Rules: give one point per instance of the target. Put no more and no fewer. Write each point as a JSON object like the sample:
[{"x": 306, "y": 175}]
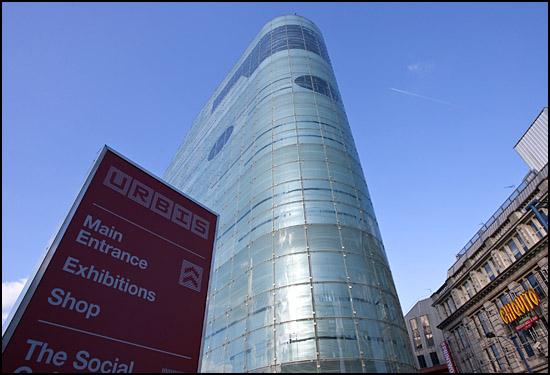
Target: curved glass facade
[{"x": 300, "y": 278}]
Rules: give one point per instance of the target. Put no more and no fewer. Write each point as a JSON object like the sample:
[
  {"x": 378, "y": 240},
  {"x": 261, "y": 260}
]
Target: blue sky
[{"x": 437, "y": 95}]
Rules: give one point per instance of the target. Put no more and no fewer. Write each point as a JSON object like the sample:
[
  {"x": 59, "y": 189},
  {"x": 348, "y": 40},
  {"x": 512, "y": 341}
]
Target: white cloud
[
  {"x": 420, "y": 67},
  {"x": 10, "y": 292}
]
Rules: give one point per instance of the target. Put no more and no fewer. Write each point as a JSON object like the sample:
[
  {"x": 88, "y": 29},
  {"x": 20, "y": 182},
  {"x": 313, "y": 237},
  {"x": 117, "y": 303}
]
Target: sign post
[{"x": 123, "y": 286}]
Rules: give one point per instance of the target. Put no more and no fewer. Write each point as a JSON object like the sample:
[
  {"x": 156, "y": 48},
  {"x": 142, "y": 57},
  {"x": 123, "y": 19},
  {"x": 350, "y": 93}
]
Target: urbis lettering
[{"x": 144, "y": 195}]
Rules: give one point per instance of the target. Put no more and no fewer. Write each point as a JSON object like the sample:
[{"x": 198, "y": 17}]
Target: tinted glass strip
[{"x": 278, "y": 39}]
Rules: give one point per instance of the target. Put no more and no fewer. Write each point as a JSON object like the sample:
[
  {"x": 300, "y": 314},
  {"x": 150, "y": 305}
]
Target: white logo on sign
[{"x": 191, "y": 276}]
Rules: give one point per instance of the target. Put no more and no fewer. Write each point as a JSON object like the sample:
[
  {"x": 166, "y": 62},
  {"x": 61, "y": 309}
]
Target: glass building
[{"x": 300, "y": 279}]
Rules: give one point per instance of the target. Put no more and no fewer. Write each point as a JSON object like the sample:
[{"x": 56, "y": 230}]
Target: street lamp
[{"x": 513, "y": 338}]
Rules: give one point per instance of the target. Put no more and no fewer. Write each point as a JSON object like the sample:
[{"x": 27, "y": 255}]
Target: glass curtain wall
[{"x": 300, "y": 279}]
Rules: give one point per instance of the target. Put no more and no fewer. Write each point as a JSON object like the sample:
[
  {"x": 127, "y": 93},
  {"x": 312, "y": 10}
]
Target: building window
[
  {"x": 480, "y": 334},
  {"x": 461, "y": 335},
  {"x": 483, "y": 323},
  {"x": 450, "y": 305},
  {"x": 543, "y": 274},
  {"x": 489, "y": 319},
  {"x": 536, "y": 286},
  {"x": 435, "y": 358},
  {"x": 471, "y": 362},
  {"x": 491, "y": 361},
  {"x": 533, "y": 332},
  {"x": 514, "y": 249},
  {"x": 489, "y": 271},
  {"x": 468, "y": 289},
  {"x": 536, "y": 229},
  {"x": 503, "y": 300},
  {"x": 421, "y": 361},
  {"x": 495, "y": 265},
  {"x": 497, "y": 356},
  {"x": 525, "y": 343},
  {"x": 522, "y": 242},
  {"x": 416, "y": 334},
  {"x": 507, "y": 255},
  {"x": 427, "y": 330}
]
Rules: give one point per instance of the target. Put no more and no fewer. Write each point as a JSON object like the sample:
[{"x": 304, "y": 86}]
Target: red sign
[
  {"x": 448, "y": 357},
  {"x": 527, "y": 323},
  {"x": 123, "y": 287}
]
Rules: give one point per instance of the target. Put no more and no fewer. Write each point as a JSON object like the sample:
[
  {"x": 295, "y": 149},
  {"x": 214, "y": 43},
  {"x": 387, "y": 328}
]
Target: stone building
[{"x": 494, "y": 303}]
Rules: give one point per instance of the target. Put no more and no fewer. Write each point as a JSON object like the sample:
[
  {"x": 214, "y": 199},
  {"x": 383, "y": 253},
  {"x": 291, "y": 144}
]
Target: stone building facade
[{"x": 494, "y": 303}]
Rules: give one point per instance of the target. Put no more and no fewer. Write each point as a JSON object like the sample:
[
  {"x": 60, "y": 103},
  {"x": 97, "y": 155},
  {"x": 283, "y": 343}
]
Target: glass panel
[
  {"x": 260, "y": 311},
  {"x": 380, "y": 367},
  {"x": 237, "y": 319},
  {"x": 240, "y": 263},
  {"x": 482, "y": 321},
  {"x": 489, "y": 271},
  {"x": 295, "y": 341},
  {"x": 536, "y": 286},
  {"x": 459, "y": 330},
  {"x": 314, "y": 170},
  {"x": 372, "y": 337},
  {"x": 327, "y": 266},
  {"x": 536, "y": 229},
  {"x": 261, "y": 278},
  {"x": 427, "y": 330},
  {"x": 495, "y": 266},
  {"x": 352, "y": 240},
  {"x": 312, "y": 152},
  {"x": 336, "y": 337},
  {"x": 513, "y": 247},
  {"x": 293, "y": 303},
  {"x": 416, "y": 333},
  {"x": 235, "y": 356},
  {"x": 367, "y": 301},
  {"x": 421, "y": 361},
  {"x": 289, "y": 215},
  {"x": 320, "y": 212},
  {"x": 214, "y": 361},
  {"x": 290, "y": 240},
  {"x": 341, "y": 366},
  {"x": 286, "y": 172},
  {"x": 360, "y": 269},
  {"x": 223, "y": 275},
  {"x": 497, "y": 356},
  {"x": 332, "y": 300},
  {"x": 261, "y": 249},
  {"x": 259, "y": 348},
  {"x": 317, "y": 190},
  {"x": 291, "y": 269},
  {"x": 525, "y": 248},
  {"x": 239, "y": 290},
  {"x": 525, "y": 343},
  {"x": 287, "y": 192},
  {"x": 468, "y": 289},
  {"x": 219, "y": 331},
  {"x": 324, "y": 237},
  {"x": 221, "y": 299}
]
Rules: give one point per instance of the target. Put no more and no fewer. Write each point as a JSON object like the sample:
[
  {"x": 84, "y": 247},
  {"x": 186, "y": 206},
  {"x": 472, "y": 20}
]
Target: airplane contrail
[{"x": 421, "y": 96}]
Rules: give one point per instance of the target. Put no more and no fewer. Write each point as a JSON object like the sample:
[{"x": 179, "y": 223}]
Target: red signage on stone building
[
  {"x": 448, "y": 357},
  {"x": 123, "y": 287}
]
